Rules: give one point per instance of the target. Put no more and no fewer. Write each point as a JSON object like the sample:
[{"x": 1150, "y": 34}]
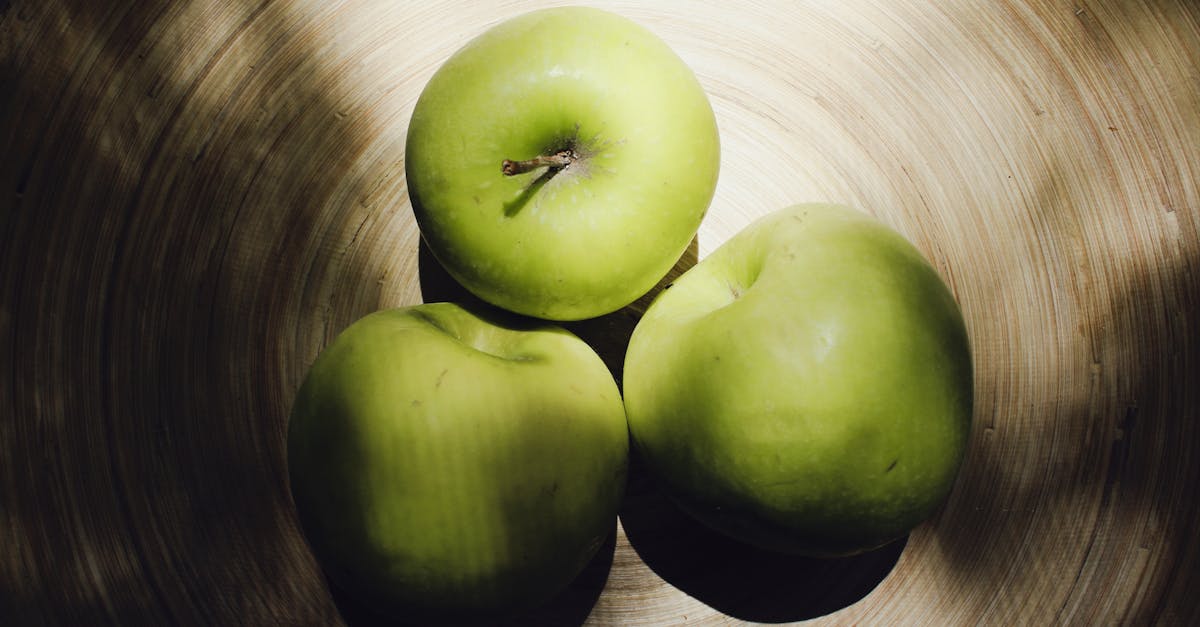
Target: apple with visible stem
[
  {"x": 560, "y": 163},
  {"x": 807, "y": 387},
  {"x": 447, "y": 464}
]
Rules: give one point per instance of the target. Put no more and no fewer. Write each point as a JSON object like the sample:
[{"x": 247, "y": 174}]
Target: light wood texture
[{"x": 196, "y": 196}]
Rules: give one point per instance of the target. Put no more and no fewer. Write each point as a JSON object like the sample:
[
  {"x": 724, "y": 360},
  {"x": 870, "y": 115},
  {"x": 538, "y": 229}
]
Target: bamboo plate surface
[{"x": 196, "y": 196}]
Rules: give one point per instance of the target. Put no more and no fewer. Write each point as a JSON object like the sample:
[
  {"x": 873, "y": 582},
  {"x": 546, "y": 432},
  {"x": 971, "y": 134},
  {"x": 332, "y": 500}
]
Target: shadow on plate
[
  {"x": 739, "y": 580},
  {"x": 569, "y": 607}
]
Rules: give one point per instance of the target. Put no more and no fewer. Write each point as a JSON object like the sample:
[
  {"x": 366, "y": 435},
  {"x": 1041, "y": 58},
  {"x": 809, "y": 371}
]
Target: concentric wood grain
[{"x": 195, "y": 197}]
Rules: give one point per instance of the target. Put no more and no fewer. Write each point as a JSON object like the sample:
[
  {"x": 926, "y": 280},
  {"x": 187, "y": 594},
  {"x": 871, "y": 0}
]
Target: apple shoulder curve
[
  {"x": 450, "y": 466},
  {"x": 560, "y": 163},
  {"x": 807, "y": 387}
]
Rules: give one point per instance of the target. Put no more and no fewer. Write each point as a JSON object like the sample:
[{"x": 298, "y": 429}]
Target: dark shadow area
[
  {"x": 742, "y": 581},
  {"x": 573, "y": 605},
  {"x": 1105, "y": 432},
  {"x": 1127, "y": 445},
  {"x": 166, "y": 246},
  {"x": 437, "y": 286},
  {"x": 608, "y": 335},
  {"x": 569, "y": 607}
]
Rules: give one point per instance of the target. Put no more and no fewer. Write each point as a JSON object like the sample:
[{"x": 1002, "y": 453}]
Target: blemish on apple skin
[
  {"x": 891, "y": 465},
  {"x": 438, "y": 384}
]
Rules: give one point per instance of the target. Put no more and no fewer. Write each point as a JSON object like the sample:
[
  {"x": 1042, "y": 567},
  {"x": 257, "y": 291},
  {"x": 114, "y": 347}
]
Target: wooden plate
[{"x": 195, "y": 197}]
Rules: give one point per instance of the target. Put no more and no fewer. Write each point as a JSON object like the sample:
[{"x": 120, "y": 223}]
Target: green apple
[
  {"x": 447, "y": 465},
  {"x": 807, "y": 387},
  {"x": 560, "y": 163}
]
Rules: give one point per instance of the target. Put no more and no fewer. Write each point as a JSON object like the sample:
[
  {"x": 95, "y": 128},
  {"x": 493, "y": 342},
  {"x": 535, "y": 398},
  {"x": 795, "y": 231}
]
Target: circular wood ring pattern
[{"x": 196, "y": 196}]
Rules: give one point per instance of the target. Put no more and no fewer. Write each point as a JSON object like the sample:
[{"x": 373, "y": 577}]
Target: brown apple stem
[{"x": 557, "y": 161}]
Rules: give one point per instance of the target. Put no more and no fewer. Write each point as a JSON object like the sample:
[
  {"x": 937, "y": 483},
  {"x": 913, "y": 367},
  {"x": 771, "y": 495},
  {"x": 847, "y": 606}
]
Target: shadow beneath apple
[
  {"x": 741, "y": 581},
  {"x": 437, "y": 286},
  {"x": 571, "y": 606},
  {"x": 574, "y": 603},
  {"x": 608, "y": 335}
]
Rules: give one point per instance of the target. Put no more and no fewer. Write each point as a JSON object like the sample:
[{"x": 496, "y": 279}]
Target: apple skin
[
  {"x": 806, "y": 388},
  {"x": 583, "y": 240},
  {"x": 448, "y": 466}
]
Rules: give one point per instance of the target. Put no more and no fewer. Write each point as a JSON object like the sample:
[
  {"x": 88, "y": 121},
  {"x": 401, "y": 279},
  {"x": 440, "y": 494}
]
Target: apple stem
[{"x": 557, "y": 161}]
